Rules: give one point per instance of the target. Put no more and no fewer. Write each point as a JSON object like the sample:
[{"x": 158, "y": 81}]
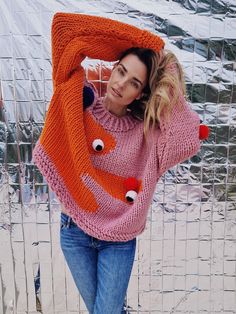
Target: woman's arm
[
  {"x": 75, "y": 36},
  {"x": 180, "y": 137}
]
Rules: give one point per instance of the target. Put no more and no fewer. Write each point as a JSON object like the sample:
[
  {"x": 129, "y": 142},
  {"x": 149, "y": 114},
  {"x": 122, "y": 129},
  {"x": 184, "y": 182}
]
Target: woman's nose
[{"x": 122, "y": 83}]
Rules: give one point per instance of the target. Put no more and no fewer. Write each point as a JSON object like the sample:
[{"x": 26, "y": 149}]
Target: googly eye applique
[
  {"x": 132, "y": 186},
  {"x": 131, "y": 196},
  {"x": 98, "y": 145}
]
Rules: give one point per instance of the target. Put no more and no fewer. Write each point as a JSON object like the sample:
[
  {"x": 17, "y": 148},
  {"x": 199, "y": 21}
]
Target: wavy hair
[{"x": 165, "y": 78}]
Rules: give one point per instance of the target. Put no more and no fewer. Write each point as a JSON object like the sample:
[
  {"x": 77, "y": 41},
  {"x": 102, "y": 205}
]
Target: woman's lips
[{"x": 116, "y": 92}]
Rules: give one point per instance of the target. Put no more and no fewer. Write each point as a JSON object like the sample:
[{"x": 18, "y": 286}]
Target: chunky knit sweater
[{"x": 87, "y": 155}]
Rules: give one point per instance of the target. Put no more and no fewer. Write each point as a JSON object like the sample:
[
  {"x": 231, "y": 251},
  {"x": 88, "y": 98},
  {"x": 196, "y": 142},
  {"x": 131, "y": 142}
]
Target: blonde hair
[{"x": 165, "y": 81}]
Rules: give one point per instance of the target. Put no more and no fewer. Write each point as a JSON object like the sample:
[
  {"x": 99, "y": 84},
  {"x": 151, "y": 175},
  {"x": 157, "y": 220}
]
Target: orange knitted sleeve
[{"x": 71, "y": 32}]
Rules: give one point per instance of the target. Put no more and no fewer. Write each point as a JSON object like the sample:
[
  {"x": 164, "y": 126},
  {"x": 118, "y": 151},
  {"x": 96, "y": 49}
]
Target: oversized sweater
[{"x": 90, "y": 182}]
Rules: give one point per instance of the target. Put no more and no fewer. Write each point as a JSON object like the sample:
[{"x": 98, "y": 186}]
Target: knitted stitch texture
[{"x": 89, "y": 182}]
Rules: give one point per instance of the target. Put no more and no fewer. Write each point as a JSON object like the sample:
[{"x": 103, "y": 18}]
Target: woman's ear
[{"x": 140, "y": 96}]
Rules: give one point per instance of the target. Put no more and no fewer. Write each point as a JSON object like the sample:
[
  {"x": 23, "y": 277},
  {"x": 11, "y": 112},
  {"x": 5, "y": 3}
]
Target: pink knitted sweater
[{"x": 125, "y": 154}]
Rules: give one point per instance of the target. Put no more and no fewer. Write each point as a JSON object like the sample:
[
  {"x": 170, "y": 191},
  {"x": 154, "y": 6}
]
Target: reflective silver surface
[{"x": 186, "y": 258}]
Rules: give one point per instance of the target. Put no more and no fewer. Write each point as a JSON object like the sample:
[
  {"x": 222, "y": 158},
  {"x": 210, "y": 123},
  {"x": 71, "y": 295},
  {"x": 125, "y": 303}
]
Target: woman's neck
[{"x": 113, "y": 108}]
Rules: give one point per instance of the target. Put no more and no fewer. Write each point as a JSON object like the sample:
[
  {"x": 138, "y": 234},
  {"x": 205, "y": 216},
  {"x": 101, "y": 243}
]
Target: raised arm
[
  {"x": 180, "y": 137},
  {"x": 75, "y": 36}
]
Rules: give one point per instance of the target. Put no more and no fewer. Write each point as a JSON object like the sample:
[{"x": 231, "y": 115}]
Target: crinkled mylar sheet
[{"x": 186, "y": 258}]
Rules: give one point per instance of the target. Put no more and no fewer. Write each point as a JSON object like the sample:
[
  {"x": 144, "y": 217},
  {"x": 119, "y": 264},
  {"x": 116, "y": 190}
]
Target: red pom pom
[
  {"x": 203, "y": 132},
  {"x": 131, "y": 184}
]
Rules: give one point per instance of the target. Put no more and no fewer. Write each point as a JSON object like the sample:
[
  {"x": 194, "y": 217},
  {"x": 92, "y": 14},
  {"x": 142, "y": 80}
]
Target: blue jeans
[{"x": 101, "y": 269}]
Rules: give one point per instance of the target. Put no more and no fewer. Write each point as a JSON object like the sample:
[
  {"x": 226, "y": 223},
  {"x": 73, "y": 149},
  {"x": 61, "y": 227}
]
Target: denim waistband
[{"x": 67, "y": 220}]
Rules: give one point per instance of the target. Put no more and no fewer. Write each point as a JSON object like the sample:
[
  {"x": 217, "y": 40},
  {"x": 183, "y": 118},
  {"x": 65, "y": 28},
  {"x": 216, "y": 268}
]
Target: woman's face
[{"x": 127, "y": 80}]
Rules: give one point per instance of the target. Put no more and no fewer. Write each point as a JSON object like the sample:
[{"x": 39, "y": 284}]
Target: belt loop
[{"x": 68, "y": 222}]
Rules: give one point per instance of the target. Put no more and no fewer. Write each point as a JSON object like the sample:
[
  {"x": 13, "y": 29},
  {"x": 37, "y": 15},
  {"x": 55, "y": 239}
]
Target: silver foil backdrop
[{"x": 186, "y": 258}]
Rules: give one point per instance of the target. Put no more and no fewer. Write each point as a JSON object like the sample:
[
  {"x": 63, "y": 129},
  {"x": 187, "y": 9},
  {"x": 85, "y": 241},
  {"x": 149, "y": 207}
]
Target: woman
[{"x": 104, "y": 155}]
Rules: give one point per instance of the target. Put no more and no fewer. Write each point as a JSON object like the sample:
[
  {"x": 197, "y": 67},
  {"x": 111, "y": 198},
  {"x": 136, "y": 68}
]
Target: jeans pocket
[
  {"x": 64, "y": 221},
  {"x": 63, "y": 225}
]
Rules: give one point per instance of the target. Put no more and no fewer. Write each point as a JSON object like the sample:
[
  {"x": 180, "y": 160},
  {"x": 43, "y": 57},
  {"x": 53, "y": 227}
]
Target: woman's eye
[
  {"x": 135, "y": 84},
  {"x": 120, "y": 71}
]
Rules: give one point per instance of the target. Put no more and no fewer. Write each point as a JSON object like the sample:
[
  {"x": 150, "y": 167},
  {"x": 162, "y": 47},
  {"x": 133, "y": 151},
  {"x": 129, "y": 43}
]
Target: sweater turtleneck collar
[{"x": 110, "y": 121}]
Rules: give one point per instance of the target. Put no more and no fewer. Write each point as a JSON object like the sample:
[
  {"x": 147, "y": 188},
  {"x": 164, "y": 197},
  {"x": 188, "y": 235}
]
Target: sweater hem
[{"x": 55, "y": 182}]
